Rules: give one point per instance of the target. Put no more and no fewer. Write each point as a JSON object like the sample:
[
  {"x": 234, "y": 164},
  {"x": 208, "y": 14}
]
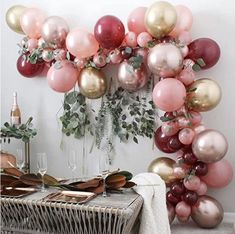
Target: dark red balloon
[
  {"x": 177, "y": 188},
  {"x": 204, "y": 48},
  {"x": 189, "y": 158},
  {"x": 200, "y": 168},
  {"x": 190, "y": 197},
  {"x": 161, "y": 141},
  {"x": 109, "y": 31},
  {"x": 170, "y": 197},
  {"x": 174, "y": 143},
  {"x": 25, "y": 68}
]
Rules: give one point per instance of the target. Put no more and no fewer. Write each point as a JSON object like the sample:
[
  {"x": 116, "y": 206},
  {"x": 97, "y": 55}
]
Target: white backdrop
[{"x": 212, "y": 18}]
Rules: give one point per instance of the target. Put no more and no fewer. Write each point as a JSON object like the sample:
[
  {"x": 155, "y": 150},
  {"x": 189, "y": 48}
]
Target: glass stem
[
  {"x": 43, "y": 185},
  {"x": 104, "y": 187}
]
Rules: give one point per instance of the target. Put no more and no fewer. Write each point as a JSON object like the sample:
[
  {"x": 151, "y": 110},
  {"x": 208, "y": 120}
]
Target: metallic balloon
[
  {"x": 47, "y": 55},
  {"x": 130, "y": 78},
  {"x": 164, "y": 166},
  {"x": 205, "y": 95},
  {"x": 13, "y": 18},
  {"x": 160, "y": 19},
  {"x": 165, "y": 60},
  {"x": 92, "y": 83},
  {"x": 207, "y": 212},
  {"x": 171, "y": 212},
  {"x": 55, "y": 30},
  {"x": 210, "y": 146}
]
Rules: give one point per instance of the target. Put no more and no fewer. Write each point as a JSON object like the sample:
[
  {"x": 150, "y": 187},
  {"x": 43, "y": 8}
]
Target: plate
[
  {"x": 15, "y": 193},
  {"x": 70, "y": 197}
]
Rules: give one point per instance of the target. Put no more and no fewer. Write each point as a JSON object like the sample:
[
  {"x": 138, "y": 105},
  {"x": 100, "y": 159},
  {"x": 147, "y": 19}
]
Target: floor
[{"x": 226, "y": 227}]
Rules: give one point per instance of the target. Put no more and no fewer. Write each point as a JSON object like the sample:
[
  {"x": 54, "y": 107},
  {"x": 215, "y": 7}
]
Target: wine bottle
[{"x": 15, "y": 117}]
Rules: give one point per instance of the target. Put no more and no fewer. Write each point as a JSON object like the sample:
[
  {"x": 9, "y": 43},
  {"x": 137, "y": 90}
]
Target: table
[{"x": 117, "y": 213}]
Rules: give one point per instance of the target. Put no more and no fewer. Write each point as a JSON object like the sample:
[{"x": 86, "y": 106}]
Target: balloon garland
[{"x": 158, "y": 42}]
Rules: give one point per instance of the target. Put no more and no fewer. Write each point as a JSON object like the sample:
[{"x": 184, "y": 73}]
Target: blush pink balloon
[
  {"x": 170, "y": 128},
  {"x": 31, "y": 22},
  {"x": 183, "y": 209},
  {"x": 186, "y": 76},
  {"x": 135, "y": 21},
  {"x": 143, "y": 39},
  {"x": 32, "y": 43},
  {"x": 195, "y": 117},
  {"x": 184, "y": 50},
  {"x": 192, "y": 183},
  {"x": 169, "y": 94},
  {"x": 184, "y": 20},
  {"x": 62, "y": 76},
  {"x": 185, "y": 37},
  {"x": 183, "y": 219},
  {"x": 199, "y": 128},
  {"x": 202, "y": 189},
  {"x": 183, "y": 122},
  {"x": 179, "y": 172},
  {"x": 219, "y": 174},
  {"x": 131, "y": 39},
  {"x": 81, "y": 43},
  {"x": 186, "y": 136}
]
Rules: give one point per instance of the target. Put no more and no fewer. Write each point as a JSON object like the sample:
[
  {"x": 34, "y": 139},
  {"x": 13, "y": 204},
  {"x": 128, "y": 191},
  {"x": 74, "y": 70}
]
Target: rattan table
[{"x": 117, "y": 213}]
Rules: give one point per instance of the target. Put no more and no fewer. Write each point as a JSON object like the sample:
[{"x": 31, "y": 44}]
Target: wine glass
[
  {"x": 72, "y": 163},
  {"x": 19, "y": 159},
  {"x": 42, "y": 167},
  {"x": 104, "y": 170}
]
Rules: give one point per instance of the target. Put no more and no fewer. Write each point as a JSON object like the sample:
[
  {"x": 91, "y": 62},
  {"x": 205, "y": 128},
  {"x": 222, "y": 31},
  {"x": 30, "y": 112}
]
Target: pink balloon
[
  {"x": 192, "y": 183},
  {"x": 183, "y": 122},
  {"x": 179, "y": 172},
  {"x": 62, "y": 76},
  {"x": 186, "y": 76},
  {"x": 143, "y": 39},
  {"x": 32, "y": 44},
  {"x": 170, "y": 128},
  {"x": 199, "y": 128},
  {"x": 169, "y": 94},
  {"x": 131, "y": 39},
  {"x": 135, "y": 20},
  {"x": 195, "y": 117},
  {"x": 184, "y": 20},
  {"x": 202, "y": 189},
  {"x": 31, "y": 22},
  {"x": 186, "y": 136},
  {"x": 81, "y": 43},
  {"x": 219, "y": 175},
  {"x": 183, "y": 209},
  {"x": 185, "y": 37}
]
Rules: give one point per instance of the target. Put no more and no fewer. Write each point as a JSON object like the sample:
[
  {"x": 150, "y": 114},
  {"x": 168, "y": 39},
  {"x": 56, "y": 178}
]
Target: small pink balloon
[
  {"x": 170, "y": 128},
  {"x": 185, "y": 37},
  {"x": 62, "y": 76},
  {"x": 169, "y": 94},
  {"x": 179, "y": 172},
  {"x": 184, "y": 20},
  {"x": 195, "y": 117},
  {"x": 143, "y": 39},
  {"x": 186, "y": 76},
  {"x": 183, "y": 209},
  {"x": 115, "y": 56},
  {"x": 183, "y": 122},
  {"x": 183, "y": 219},
  {"x": 143, "y": 52},
  {"x": 60, "y": 54},
  {"x": 188, "y": 63},
  {"x": 184, "y": 50},
  {"x": 99, "y": 60},
  {"x": 32, "y": 44},
  {"x": 186, "y": 136},
  {"x": 202, "y": 189},
  {"x": 81, "y": 43},
  {"x": 31, "y": 22},
  {"x": 135, "y": 20},
  {"x": 219, "y": 174},
  {"x": 199, "y": 128},
  {"x": 131, "y": 39},
  {"x": 192, "y": 183},
  {"x": 80, "y": 63}
]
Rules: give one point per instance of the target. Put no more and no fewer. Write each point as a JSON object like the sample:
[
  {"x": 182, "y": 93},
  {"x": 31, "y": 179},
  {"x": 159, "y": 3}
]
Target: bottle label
[{"x": 15, "y": 120}]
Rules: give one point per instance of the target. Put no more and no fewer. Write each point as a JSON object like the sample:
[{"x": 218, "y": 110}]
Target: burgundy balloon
[
  {"x": 109, "y": 31},
  {"x": 25, "y": 68},
  {"x": 188, "y": 156},
  {"x": 161, "y": 141},
  {"x": 190, "y": 197},
  {"x": 169, "y": 115},
  {"x": 200, "y": 168},
  {"x": 177, "y": 188},
  {"x": 170, "y": 197},
  {"x": 174, "y": 143},
  {"x": 204, "y": 48}
]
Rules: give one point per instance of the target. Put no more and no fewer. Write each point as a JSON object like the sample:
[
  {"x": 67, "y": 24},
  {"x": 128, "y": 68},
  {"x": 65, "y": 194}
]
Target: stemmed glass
[
  {"x": 42, "y": 167},
  {"x": 19, "y": 159},
  {"x": 104, "y": 171},
  {"x": 72, "y": 163}
]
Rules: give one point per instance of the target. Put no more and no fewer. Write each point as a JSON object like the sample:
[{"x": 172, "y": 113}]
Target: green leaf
[
  {"x": 57, "y": 65},
  {"x": 196, "y": 67},
  {"x": 135, "y": 140},
  {"x": 201, "y": 62},
  {"x": 71, "y": 97}
]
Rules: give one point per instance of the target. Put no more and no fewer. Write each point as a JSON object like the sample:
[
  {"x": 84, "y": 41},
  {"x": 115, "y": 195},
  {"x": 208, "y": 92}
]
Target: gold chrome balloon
[
  {"x": 160, "y": 19},
  {"x": 203, "y": 95},
  {"x": 13, "y": 18},
  {"x": 163, "y": 166},
  {"x": 92, "y": 83}
]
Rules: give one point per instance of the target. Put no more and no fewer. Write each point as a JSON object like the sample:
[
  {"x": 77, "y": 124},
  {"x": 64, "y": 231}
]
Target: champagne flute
[
  {"x": 42, "y": 167},
  {"x": 72, "y": 163},
  {"x": 104, "y": 171},
  {"x": 19, "y": 159}
]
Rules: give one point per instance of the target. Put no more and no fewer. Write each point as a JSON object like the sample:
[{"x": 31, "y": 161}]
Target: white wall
[{"x": 212, "y": 18}]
